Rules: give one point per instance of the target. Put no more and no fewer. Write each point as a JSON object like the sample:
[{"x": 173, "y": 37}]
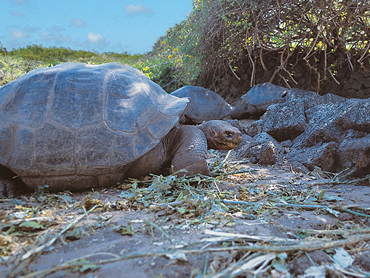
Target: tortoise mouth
[{"x": 228, "y": 144}]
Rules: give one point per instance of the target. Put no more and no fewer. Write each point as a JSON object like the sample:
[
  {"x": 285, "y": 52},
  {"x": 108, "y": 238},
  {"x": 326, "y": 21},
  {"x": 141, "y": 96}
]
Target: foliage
[
  {"x": 19, "y": 61},
  {"x": 12, "y": 67},
  {"x": 56, "y": 55},
  {"x": 231, "y": 31},
  {"x": 14, "y": 63},
  {"x": 181, "y": 61}
]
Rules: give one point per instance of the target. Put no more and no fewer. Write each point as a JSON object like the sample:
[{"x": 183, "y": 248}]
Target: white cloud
[
  {"x": 77, "y": 23},
  {"x": 18, "y": 34},
  {"x": 16, "y": 14},
  {"x": 137, "y": 9},
  {"x": 56, "y": 37},
  {"x": 95, "y": 38},
  {"x": 57, "y": 28},
  {"x": 47, "y": 36},
  {"x": 63, "y": 39},
  {"x": 31, "y": 29}
]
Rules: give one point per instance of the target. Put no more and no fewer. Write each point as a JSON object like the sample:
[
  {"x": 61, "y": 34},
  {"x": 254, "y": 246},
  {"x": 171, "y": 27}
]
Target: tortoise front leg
[{"x": 190, "y": 152}]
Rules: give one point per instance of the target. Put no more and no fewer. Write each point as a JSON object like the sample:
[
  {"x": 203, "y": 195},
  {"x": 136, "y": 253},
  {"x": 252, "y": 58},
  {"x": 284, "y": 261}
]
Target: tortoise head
[{"x": 221, "y": 135}]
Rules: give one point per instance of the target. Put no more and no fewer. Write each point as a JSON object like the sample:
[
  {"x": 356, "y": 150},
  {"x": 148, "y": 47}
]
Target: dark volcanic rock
[
  {"x": 322, "y": 126},
  {"x": 330, "y": 131},
  {"x": 330, "y": 98},
  {"x": 285, "y": 121},
  {"x": 262, "y": 149},
  {"x": 355, "y": 153},
  {"x": 308, "y": 98},
  {"x": 356, "y": 115},
  {"x": 254, "y": 128},
  {"x": 322, "y": 155}
]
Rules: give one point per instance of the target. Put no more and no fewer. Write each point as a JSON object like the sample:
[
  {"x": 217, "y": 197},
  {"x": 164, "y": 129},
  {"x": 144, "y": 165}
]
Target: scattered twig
[
  {"x": 332, "y": 75},
  {"x": 222, "y": 162},
  {"x": 311, "y": 207},
  {"x": 237, "y": 77},
  {"x": 356, "y": 213},
  {"x": 231, "y": 202},
  {"x": 243, "y": 236},
  {"x": 323, "y": 232},
  {"x": 162, "y": 230}
]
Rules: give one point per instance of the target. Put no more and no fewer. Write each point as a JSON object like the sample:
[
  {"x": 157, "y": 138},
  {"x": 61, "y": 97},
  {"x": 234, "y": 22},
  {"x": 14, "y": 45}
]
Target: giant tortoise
[
  {"x": 76, "y": 126},
  {"x": 204, "y": 104},
  {"x": 257, "y": 99}
]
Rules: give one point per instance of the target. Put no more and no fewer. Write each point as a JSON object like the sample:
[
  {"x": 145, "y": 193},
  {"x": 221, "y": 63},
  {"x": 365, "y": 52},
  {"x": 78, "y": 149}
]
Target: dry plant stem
[
  {"x": 286, "y": 82},
  {"x": 336, "y": 81},
  {"x": 162, "y": 230},
  {"x": 50, "y": 242},
  {"x": 324, "y": 232},
  {"x": 261, "y": 60},
  {"x": 349, "y": 61},
  {"x": 364, "y": 54},
  {"x": 304, "y": 246},
  {"x": 253, "y": 67},
  {"x": 6, "y": 200},
  {"x": 335, "y": 181},
  {"x": 340, "y": 208},
  {"x": 337, "y": 269},
  {"x": 276, "y": 205},
  {"x": 237, "y": 77},
  {"x": 222, "y": 162},
  {"x": 356, "y": 213}
]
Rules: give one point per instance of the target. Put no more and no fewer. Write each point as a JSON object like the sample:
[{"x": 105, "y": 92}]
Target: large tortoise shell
[
  {"x": 82, "y": 124},
  {"x": 204, "y": 104}
]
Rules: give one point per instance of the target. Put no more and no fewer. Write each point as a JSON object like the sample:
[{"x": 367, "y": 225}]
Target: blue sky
[{"x": 131, "y": 26}]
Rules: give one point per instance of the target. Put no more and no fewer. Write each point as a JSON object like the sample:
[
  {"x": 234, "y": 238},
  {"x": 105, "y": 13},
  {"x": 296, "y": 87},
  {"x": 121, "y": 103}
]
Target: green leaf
[
  {"x": 84, "y": 267},
  {"x": 32, "y": 225},
  {"x": 181, "y": 210},
  {"x": 321, "y": 195},
  {"x": 125, "y": 230},
  {"x": 75, "y": 234}
]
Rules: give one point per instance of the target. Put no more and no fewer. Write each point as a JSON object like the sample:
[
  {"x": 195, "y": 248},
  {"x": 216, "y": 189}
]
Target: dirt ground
[{"x": 251, "y": 222}]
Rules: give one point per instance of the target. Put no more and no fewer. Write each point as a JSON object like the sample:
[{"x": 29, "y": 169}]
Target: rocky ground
[{"x": 247, "y": 221}]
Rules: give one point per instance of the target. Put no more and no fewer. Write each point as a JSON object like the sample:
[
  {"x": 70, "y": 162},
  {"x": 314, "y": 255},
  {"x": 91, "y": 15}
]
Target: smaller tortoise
[
  {"x": 204, "y": 105},
  {"x": 76, "y": 126},
  {"x": 256, "y": 101}
]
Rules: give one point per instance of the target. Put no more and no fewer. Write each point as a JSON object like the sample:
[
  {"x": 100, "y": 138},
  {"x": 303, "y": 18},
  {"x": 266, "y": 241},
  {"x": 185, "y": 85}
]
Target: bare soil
[{"x": 258, "y": 222}]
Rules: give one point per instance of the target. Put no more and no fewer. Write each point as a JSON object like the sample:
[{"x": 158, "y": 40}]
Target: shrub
[{"x": 234, "y": 31}]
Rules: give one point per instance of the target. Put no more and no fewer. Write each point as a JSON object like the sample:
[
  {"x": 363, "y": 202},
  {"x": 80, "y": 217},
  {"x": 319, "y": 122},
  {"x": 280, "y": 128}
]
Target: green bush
[
  {"x": 230, "y": 32},
  {"x": 221, "y": 35},
  {"x": 181, "y": 62}
]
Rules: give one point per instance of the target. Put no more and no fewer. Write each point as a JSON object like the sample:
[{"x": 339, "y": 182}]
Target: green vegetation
[
  {"x": 223, "y": 37},
  {"x": 19, "y": 61}
]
